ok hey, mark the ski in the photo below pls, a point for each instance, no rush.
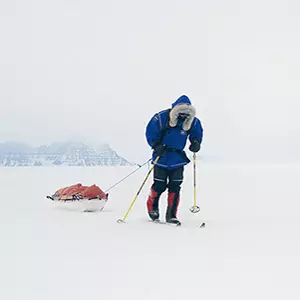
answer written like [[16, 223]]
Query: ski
[[202, 224], [166, 223]]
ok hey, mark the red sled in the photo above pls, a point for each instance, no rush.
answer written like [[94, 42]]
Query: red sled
[[90, 198]]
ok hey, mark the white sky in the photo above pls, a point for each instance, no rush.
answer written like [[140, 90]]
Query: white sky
[[98, 70]]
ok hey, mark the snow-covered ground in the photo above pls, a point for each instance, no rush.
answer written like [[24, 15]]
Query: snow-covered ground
[[250, 248]]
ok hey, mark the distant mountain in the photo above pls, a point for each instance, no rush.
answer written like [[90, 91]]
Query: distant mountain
[[15, 148], [56, 154]]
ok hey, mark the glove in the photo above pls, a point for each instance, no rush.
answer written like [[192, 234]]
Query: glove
[[160, 149], [195, 146]]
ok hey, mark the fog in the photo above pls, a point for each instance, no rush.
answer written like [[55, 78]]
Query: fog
[[97, 71]]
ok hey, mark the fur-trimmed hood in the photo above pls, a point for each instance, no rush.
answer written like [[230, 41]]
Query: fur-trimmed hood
[[181, 100], [182, 105]]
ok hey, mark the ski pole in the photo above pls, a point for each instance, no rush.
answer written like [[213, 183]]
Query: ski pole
[[195, 209], [138, 192], [127, 176]]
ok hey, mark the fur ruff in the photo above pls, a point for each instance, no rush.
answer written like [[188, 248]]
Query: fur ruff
[[182, 108]]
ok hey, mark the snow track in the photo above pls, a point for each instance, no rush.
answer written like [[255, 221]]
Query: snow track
[[249, 250]]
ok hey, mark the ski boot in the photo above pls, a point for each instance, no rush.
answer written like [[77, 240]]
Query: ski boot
[[154, 215], [174, 221]]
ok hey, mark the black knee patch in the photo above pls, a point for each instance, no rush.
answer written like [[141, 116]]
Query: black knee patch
[[174, 186], [159, 186]]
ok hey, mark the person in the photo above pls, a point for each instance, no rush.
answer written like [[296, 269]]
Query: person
[[167, 133]]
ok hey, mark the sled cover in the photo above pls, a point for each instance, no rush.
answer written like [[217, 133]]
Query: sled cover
[[78, 192]]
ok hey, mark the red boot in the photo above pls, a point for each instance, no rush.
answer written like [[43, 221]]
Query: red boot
[[173, 202], [152, 205]]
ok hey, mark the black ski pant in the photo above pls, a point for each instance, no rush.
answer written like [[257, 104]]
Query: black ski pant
[[167, 179], [171, 180]]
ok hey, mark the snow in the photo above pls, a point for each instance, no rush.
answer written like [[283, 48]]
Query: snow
[[248, 250]]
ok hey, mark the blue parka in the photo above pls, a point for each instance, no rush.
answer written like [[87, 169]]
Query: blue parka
[[175, 138]]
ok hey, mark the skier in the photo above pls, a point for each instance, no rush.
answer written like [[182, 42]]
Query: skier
[[167, 133]]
